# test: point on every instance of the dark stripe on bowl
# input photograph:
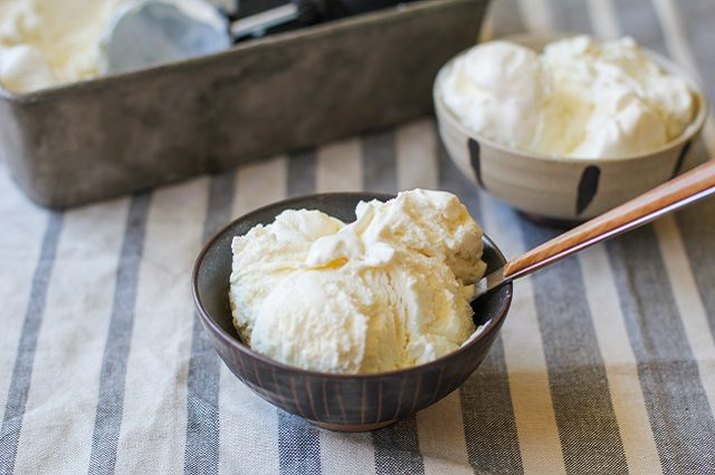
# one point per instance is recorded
(438, 386)
(309, 390)
(418, 391)
(242, 367)
(452, 179)
(341, 403)
(681, 158)
(400, 397)
(258, 373)
(296, 399)
(379, 402)
(363, 402)
(325, 401)
(278, 391)
(587, 187)
(451, 387)
(475, 160)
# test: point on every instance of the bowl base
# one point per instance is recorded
(352, 427)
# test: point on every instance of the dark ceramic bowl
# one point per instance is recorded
(334, 401)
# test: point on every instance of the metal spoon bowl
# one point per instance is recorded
(144, 33)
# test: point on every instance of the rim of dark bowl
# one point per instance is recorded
(234, 342)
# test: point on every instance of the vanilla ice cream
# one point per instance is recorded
(45, 43)
(577, 99)
(388, 291)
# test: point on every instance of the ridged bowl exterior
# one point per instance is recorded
(349, 402)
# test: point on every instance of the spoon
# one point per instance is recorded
(672, 195)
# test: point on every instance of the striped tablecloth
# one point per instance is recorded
(606, 363)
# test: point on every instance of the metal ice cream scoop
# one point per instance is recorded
(144, 33)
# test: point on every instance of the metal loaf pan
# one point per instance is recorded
(113, 135)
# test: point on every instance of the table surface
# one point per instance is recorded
(606, 363)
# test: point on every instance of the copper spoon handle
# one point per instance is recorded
(687, 188)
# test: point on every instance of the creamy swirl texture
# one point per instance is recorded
(579, 98)
(47, 43)
(388, 291)
(44, 43)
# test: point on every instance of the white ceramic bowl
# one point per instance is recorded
(562, 188)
